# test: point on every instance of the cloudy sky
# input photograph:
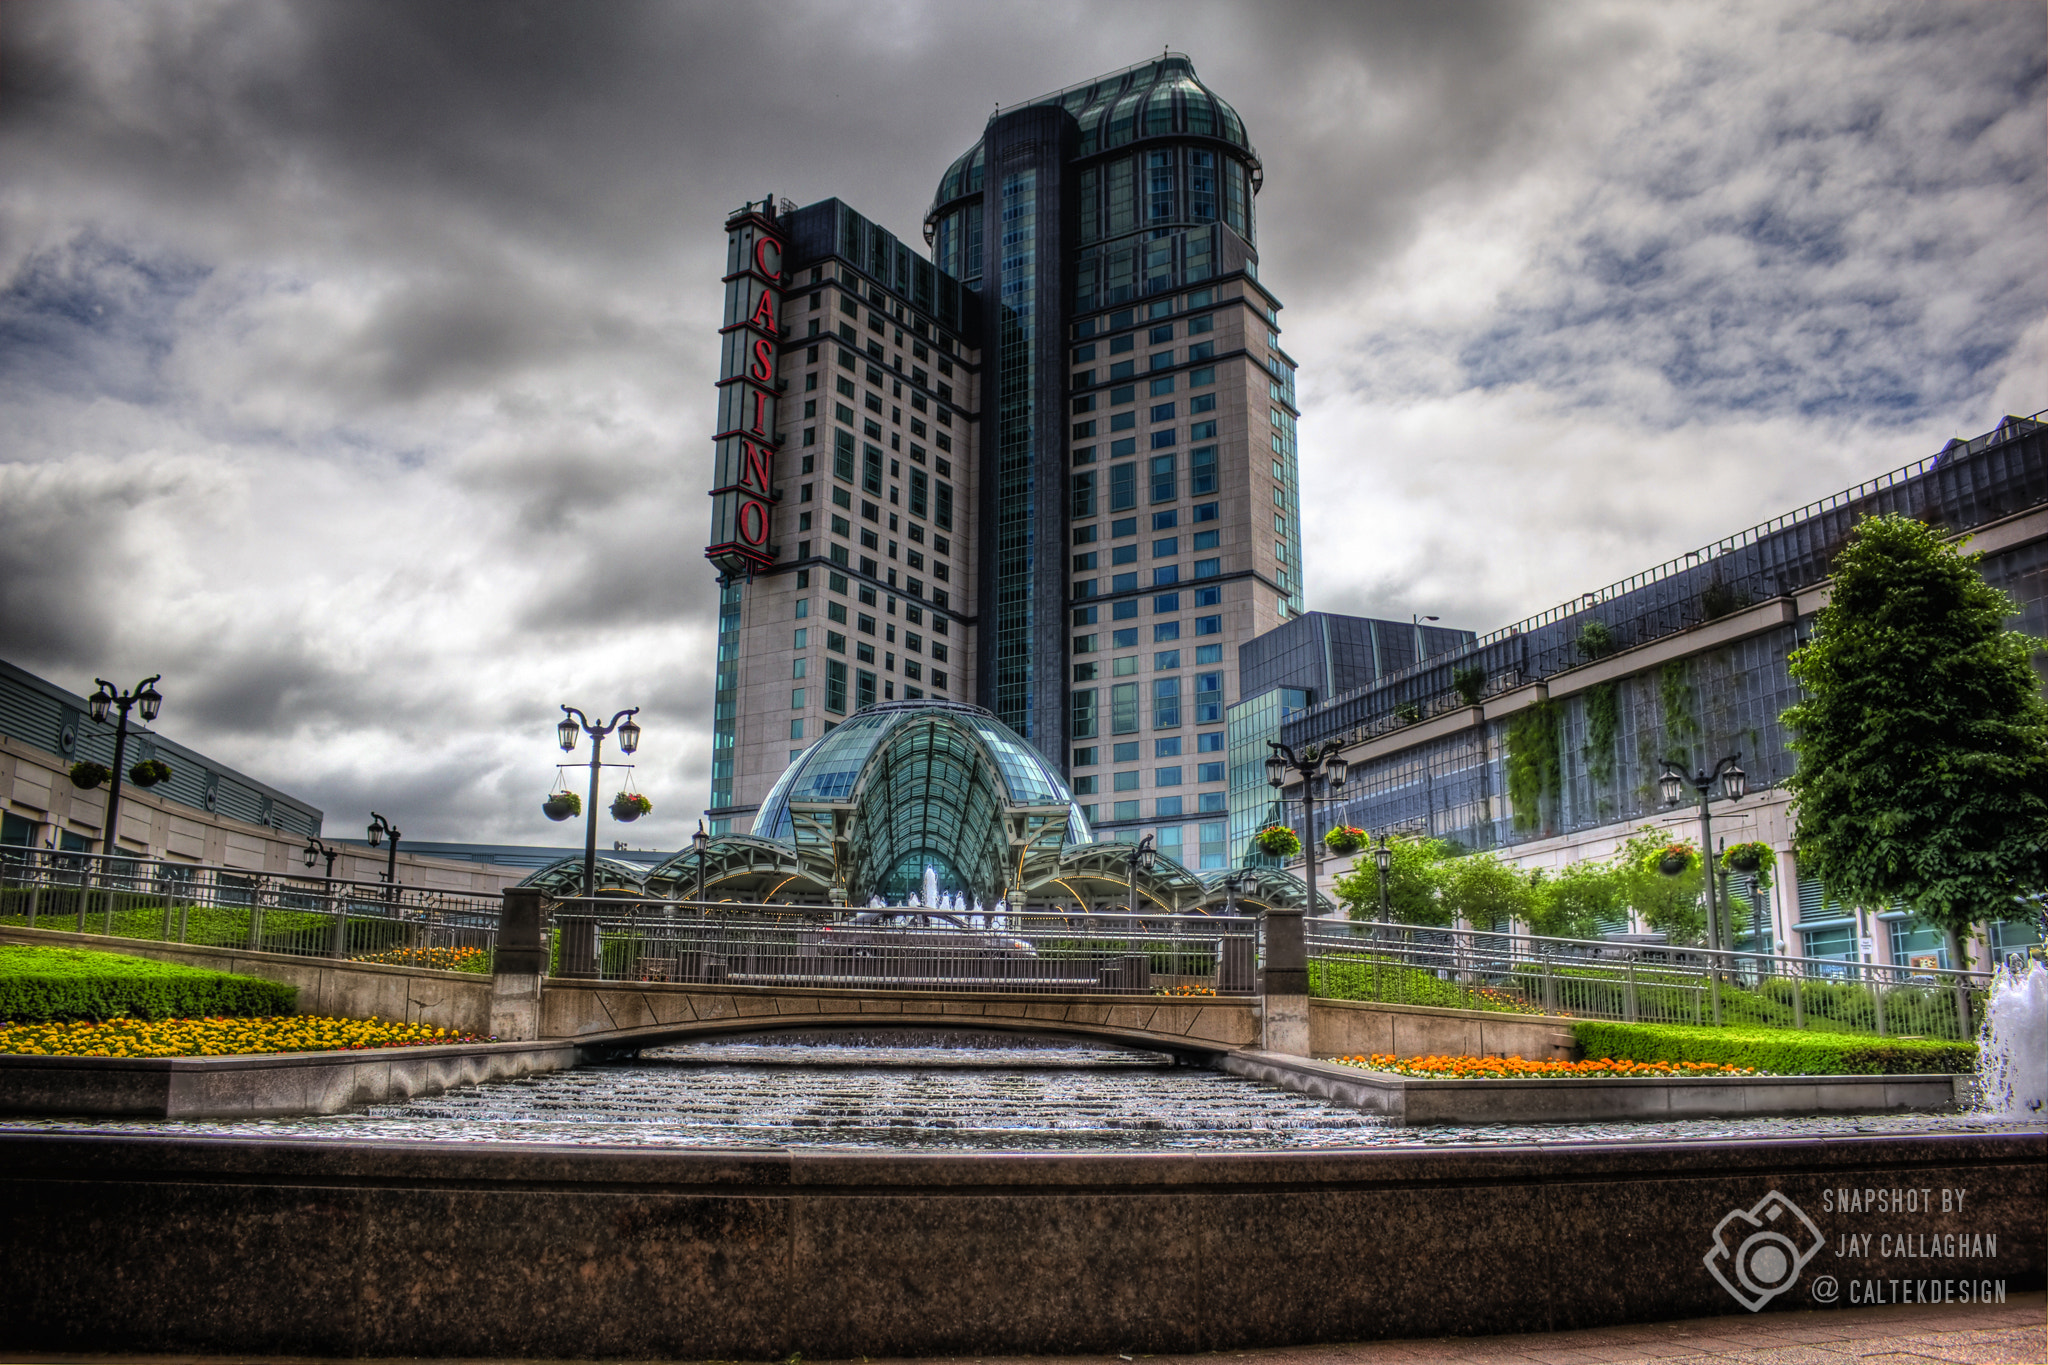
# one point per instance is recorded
(356, 358)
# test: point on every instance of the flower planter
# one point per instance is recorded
(628, 807)
(1278, 841)
(1672, 864)
(561, 806)
(86, 776)
(1344, 840)
(149, 772)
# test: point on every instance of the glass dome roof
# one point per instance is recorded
(1162, 97)
(831, 769)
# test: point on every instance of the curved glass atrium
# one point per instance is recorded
(905, 786)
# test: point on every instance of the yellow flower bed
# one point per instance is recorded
(1185, 990)
(1516, 1068)
(218, 1037)
(446, 959)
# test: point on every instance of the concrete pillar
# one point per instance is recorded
(1284, 985)
(519, 966)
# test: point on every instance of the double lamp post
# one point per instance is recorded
(146, 699)
(1733, 784)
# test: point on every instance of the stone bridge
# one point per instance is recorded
(634, 1014)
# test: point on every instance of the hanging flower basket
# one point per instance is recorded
(86, 776)
(1677, 859)
(630, 806)
(1344, 839)
(562, 805)
(1278, 841)
(149, 772)
(1753, 859)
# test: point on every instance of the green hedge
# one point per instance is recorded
(39, 984)
(1780, 1052)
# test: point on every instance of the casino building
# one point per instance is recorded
(1048, 471)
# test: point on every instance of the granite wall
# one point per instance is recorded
(340, 1249)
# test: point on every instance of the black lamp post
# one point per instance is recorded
(1144, 855)
(316, 847)
(149, 700)
(700, 842)
(1733, 784)
(380, 829)
(1233, 887)
(1383, 859)
(566, 730)
(1311, 764)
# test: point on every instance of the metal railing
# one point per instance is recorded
(122, 896)
(1637, 982)
(769, 945)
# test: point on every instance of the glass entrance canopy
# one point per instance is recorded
(905, 786)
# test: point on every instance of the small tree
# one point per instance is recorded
(1922, 738)
(1577, 901)
(1414, 880)
(1484, 892)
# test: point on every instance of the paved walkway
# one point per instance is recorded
(2012, 1333)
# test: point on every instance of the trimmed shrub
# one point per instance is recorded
(39, 984)
(1780, 1052)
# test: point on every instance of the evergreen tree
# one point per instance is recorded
(1923, 737)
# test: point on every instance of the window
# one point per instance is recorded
(1085, 758)
(1085, 616)
(1084, 587)
(797, 666)
(1127, 638)
(1209, 772)
(1163, 360)
(1125, 782)
(1208, 654)
(1167, 806)
(1123, 487)
(1123, 369)
(863, 688)
(1084, 354)
(1082, 502)
(1209, 597)
(796, 703)
(1208, 625)
(1124, 667)
(1123, 709)
(1165, 486)
(1208, 698)
(801, 639)
(920, 491)
(1084, 715)
(1162, 412)
(1167, 548)
(1205, 323)
(1084, 455)
(1201, 403)
(1206, 511)
(866, 624)
(1086, 672)
(1208, 568)
(1166, 748)
(842, 455)
(1166, 630)
(1215, 845)
(836, 611)
(835, 685)
(1084, 644)
(1203, 431)
(1118, 421)
(803, 604)
(1118, 345)
(1123, 554)
(835, 642)
(942, 503)
(1081, 431)
(1085, 403)
(1164, 576)
(1201, 471)
(1165, 703)
(1126, 752)
(1084, 786)
(1215, 801)
(842, 498)
(1127, 445)
(1124, 810)
(1202, 350)
(1161, 387)
(1210, 743)
(1167, 520)
(1160, 335)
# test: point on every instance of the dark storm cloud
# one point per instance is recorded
(357, 358)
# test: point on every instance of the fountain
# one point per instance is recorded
(2012, 1052)
(929, 892)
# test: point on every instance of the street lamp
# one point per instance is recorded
(572, 721)
(1144, 855)
(379, 829)
(1383, 858)
(700, 842)
(1733, 784)
(1233, 887)
(1311, 764)
(1417, 621)
(316, 847)
(148, 700)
